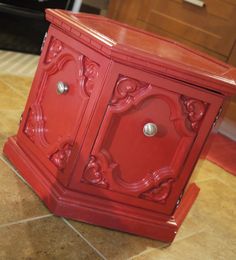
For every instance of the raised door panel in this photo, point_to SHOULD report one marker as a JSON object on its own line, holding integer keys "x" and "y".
{"x": 52, "y": 118}
{"x": 126, "y": 162}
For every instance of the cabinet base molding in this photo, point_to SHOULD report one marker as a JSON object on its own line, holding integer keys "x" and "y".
{"x": 96, "y": 210}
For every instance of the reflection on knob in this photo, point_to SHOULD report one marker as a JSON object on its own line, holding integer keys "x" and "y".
{"x": 150, "y": 129}
{"x": 62, "y": 88}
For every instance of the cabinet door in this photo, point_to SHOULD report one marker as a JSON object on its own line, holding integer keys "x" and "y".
{"x": 60, "y": 94}
{"x": 145, "y": 138}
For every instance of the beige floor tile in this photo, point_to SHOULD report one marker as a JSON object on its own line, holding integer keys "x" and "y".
{"x": 220, "y": 174}
{"x": 17, "y": 201}
{"x": 19, "y": 84}
{"x": 113, "y": 244}
{"x": 47, "y": 238}
{"x": 209, "y": 231}
{"x": 213, "y": 215}
{"x": 2, "y": 141}
{"x": 206, "y": 170}
{"x": 213, "y": 211}
{"x": 197, "y": 173}
{"x": 191, "y": 225}
{"x": 216, "y": 208}
{"x": 18, "y": 64}
{"x": 9, "y": 99}
{"x": 202, "y": 172}
{"x": 9, "y": 122}
{"x": 216, "y": 202}
{"x": 201, "y": 246}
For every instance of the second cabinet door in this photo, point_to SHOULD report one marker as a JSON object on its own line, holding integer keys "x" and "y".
{"x": 145, "y": 137}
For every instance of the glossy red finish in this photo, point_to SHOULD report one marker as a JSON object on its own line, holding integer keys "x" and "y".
{"x": 84, "y": 151}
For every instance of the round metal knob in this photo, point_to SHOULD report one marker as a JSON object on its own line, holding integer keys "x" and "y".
{"x": 62, "y": 88}
{"x": 150, "y": 129}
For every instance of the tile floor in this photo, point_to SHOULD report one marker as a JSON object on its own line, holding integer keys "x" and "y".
{"x": 29, "y": 231}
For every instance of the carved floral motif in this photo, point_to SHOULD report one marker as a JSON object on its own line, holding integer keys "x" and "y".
{"x": 61, "y": 156}
{"x": 54, "y": 49}
{"x": 195, "y": 110}
{"x": 91, "y": 74}
{"x": 93, "y": 173}
{"x": 158, "y": 193}
{"x": 126, "y": 89}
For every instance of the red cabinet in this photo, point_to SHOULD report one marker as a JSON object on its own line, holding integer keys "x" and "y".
{"x": 115, "y": 122}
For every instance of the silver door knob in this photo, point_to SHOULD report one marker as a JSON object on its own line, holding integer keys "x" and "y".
{"x": 150, "y": 129}
{"x": 62, "y": 88}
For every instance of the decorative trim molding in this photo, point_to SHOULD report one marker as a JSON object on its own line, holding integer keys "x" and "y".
{"x": 54, "y": 49}
{"x": 91, "y": 70}
{"x": 61, "y": 156}
{"x": 93, "y": 173}
{"x": 34, "y": 127}
{"x": 195, "y": 110}
{"x": 159, "y": 193}
{"x": 126, "y": 89}
{"x": 155, "y": 186}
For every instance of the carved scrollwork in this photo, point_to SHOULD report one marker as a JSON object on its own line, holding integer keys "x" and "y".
{"x": 54, "y": 49}
{"x": 126, "y": 89}
{"x": 151, "y": 180}
{"x": 30, "y": 127}
{"x": 155, "y": 186}
{"x": 34, "y": 127}
{"x": 195, "y": 110}
{"x": 159, "y": 193}
{"x": 61, "y": 156}
{"x": 91, "y": 70}
{"x": 93, "y": 173}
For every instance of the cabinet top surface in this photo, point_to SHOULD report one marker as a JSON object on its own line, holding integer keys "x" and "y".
{"x": 124, "y": 39}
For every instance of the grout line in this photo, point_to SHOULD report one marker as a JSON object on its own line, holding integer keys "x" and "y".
{"x": 14, "y": 170}
{"x": 143, "y": 253}
{"x": 149, "y": 250}
{"x": 225, "y": 183}
{"x": 216, "y": 178}
{"x": 189, "y": 235}
{"x": 205, "y": 180}
{"x": 25, "y": 220}
{"x": 163, "y": 247}
{"x": 79, "y": 234}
